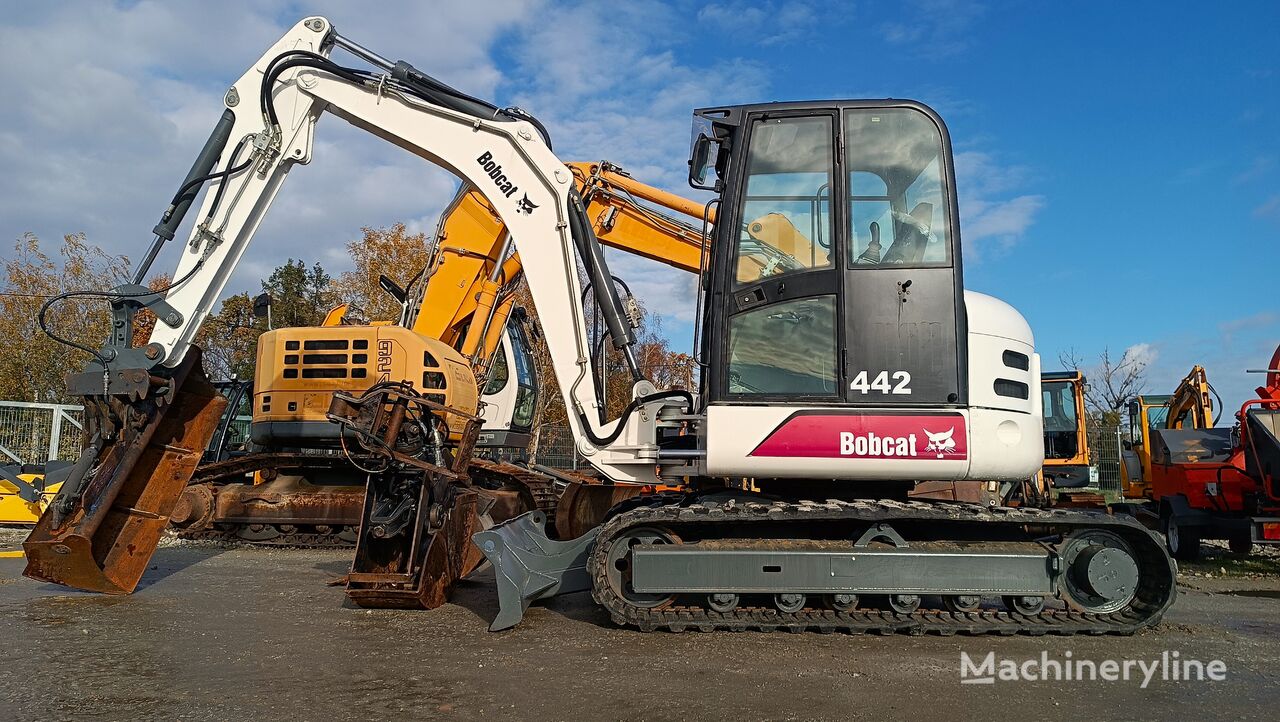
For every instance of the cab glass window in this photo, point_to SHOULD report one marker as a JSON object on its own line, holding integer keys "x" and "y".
{"x": 500, "y": 373}
{"x": 784, "y": 348}
{"x": 898, "y": 209}
{"x": 786, "y": 210}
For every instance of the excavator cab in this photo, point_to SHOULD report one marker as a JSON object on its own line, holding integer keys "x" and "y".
{"x": 836, "y": 327}
{"x": 1066, "y": 447}
{"x": 510, "y": 393}
{"x": 1146, "y": 413}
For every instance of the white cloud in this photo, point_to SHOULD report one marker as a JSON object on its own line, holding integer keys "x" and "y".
{"x": 934, "y": 28}
{"x": 106, "y": 105}
{"x": 988, "y": 214}
{"x": 1269, "y": 209}
{"x": 1140, "y": 353}
{"x": 770, "y": 23}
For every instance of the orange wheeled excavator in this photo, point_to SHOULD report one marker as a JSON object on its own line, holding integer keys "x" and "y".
{"x": 843, "y": 364}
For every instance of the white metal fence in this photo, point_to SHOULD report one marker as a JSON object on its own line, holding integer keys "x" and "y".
{"x": 37, "y": 433}
{"x": 33, "y": 433}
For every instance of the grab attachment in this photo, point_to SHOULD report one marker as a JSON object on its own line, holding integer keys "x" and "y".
{"x": 529, "y": 565}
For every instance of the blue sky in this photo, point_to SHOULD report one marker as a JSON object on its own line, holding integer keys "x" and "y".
{"x": 1118, "y": 173}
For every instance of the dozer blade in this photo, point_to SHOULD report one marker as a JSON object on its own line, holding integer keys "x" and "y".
{"x": 100, "y": 532}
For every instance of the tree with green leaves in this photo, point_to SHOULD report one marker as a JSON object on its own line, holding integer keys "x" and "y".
{"x": 300, "y": 296}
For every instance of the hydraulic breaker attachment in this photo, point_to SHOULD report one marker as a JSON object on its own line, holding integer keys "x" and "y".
{"x": 529, "y": 565}
{"x": 146, "y": 435}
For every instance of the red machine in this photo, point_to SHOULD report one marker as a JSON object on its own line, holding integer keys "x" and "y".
{"x": 1222, "y": 482}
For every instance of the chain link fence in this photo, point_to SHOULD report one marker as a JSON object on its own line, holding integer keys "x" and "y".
{"x": 1104, "y": 454}
{"x": 38, "y": 433}
{"x": 33, "y": 433}
{"x": 555, "y": 448}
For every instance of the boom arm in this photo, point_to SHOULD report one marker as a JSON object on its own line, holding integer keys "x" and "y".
{"x": 1191, "y": 407}
{"x": 470, "y": 270}
{"x": 507, "y": 159}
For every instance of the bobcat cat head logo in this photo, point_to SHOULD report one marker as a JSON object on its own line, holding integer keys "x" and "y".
{"x": 942, "y": 442}
{"x": 526, "y": 206}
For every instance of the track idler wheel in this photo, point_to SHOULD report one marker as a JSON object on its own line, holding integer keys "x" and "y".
{"x": 789, "y": 602}
{"x": 1102, "y": 575}
{"x": 619, "y": 561}
{"x": 724, "y": 602}
{"x": 904, "y": 603}
{"x": 842, "y": 602}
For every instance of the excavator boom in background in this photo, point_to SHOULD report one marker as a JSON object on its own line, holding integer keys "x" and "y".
{"x": 843, "y": 362}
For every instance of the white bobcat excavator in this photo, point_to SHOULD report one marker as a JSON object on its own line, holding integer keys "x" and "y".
{"x": 843, "y": 363}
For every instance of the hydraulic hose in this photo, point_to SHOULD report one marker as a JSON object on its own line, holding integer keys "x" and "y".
{"x": 626, "y": 414}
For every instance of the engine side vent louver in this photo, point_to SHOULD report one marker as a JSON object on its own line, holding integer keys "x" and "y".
{"x": 324, "y": 358}
{"x": 1012, "y": 389}
{"x": 325, "y": 345}
{"x": 1015, "y": 360}
{"x": 324, "y": 373}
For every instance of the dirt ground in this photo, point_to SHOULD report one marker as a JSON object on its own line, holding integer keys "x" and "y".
{"x": 217, "y": 633}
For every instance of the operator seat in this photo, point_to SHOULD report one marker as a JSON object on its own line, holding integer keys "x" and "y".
{"x": 910, "y": 240}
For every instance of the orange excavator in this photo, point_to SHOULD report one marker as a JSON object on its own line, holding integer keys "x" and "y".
{"x": 306, "y": 490}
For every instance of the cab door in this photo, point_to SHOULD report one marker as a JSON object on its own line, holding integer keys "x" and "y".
{"x": 902, "y": 310}
{"x": 782, "y": 333}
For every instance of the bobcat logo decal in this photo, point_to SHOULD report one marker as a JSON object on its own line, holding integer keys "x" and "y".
{"x": 941, "y": 443}
{"x": 526, "y": 206}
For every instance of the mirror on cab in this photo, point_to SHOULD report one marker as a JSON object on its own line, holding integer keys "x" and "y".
{"x": 704, "y": 152}
{"x": 392, "y": 288}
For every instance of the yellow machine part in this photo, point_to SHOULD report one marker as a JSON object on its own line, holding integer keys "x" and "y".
{"x": 15, "y": 510}
{"x": 1081, "y": 457}
{"x": 299, "y": 369}
{"x": 1190, "y": 406}
{"x": 460, "y": 309}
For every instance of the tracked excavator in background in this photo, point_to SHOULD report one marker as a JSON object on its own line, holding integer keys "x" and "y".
{"x": 843, "y": 363}
{"x": 308, "y": 490}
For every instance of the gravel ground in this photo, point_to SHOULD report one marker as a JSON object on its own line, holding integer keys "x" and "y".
{"x": 218, "y": 632}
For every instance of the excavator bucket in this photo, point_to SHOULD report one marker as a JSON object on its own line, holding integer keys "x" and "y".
{"x": 101, "y": 530}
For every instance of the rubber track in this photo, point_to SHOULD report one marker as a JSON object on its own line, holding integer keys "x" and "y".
{"x": 1155, "y": 593}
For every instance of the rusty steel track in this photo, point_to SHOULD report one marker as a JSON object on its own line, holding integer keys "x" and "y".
{"x": 536, "y": 488}
{"x": 1155, "y": 593}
